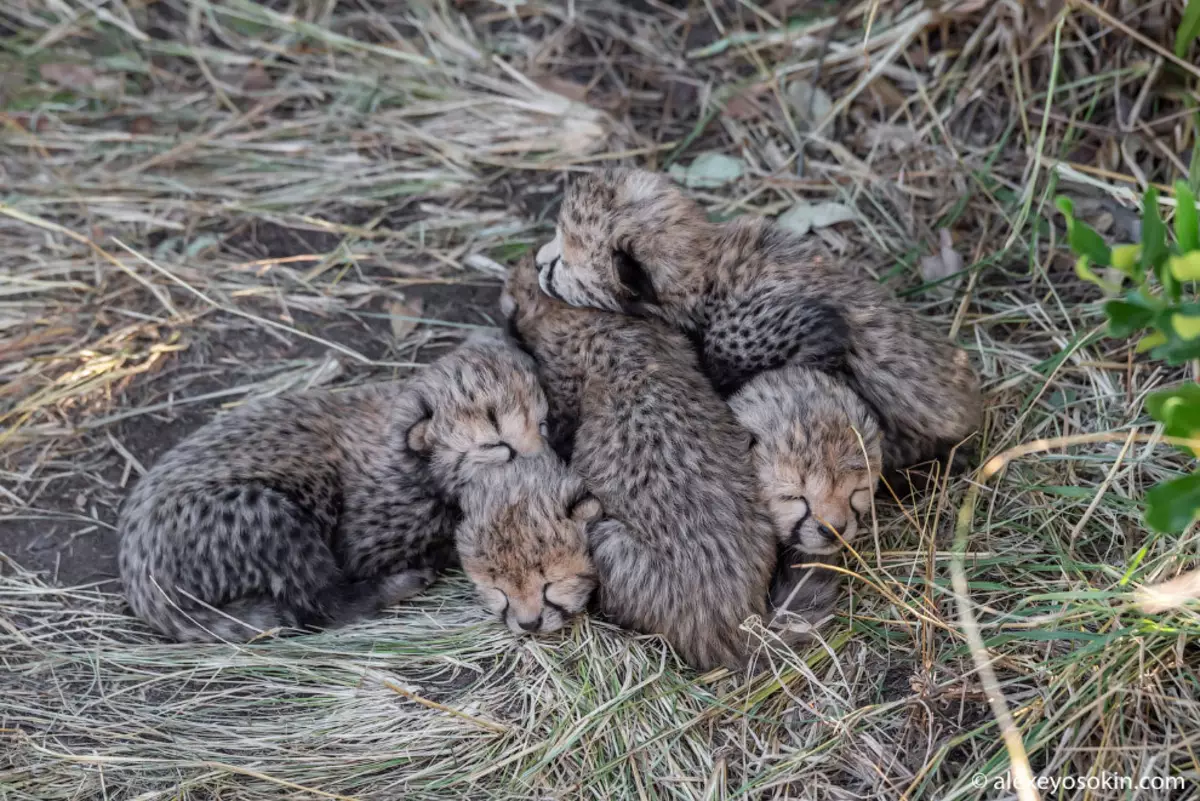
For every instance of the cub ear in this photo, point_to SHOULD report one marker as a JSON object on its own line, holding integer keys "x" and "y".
{"x": 585, "y": 509}
{"x": 417, "y": 437}
{"x": 635, "y": 279}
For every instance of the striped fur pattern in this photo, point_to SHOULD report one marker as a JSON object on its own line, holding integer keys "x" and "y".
{"x": 817, "y": 456}
{"x": 683, "y": 549}
{"x": 524, "y": 543}
{"x": 317, "y": 508}
{"x": 754, "y": 297}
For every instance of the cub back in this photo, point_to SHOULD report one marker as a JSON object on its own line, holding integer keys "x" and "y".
{"x": 686, "y": 551}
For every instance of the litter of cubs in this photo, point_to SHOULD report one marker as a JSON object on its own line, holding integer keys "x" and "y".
{"x": 681, "y": 424}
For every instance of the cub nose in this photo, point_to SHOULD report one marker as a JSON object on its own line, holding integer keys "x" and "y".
{"x": 531, "y": 625}
{"x": 828, "y": 532}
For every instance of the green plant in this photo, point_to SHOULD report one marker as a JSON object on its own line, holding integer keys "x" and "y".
{"x": 1147, "y": 281}
{"x": 1189, "y": 28}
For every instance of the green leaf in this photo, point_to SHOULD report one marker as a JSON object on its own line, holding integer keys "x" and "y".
{"x": 1194, "y": 167}
{"x": 1084, "y": 272}
{"x": 1172, "y": 507}
{"x": 1081, "y": 236}
{"x": 1125, "y": 318}
{"x": 1138, "y": 297}
{"x": 1177, "y": 352}
{"x": 1178, "y": 409}
{"x": 1171, "y": 287}
{"x": 1150, "y": 341}
{"x": 1189, "y": 28}
{"x": 1154, "y": 233}
{"x": 1125, "y": 258}
{"x": 1187, "y": 228}
{"x": 1185, "y": 267}
{"x": 1186, "y": 325}
{"x": 1174, "y": 321}
{"x": 1162, "y": 401}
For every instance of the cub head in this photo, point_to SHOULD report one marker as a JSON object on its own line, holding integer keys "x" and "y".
{"x": 817, "y": 453}
{"x": 523, "y": 542}
{"x": 622, "y": 240}
{"x": 481, "y": 406}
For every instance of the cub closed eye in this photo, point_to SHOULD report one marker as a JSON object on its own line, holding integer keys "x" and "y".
{"x": 509, "y": 449}
{"x": 550, "y": 604}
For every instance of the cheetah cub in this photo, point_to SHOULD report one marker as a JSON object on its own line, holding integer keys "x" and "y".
{"x": 523, "y": 542}
{"x": 817, "y": 456}
{"x": 684, "y": 550}
{"x": 318, "y": 508}
{"x": 754, "y": 297}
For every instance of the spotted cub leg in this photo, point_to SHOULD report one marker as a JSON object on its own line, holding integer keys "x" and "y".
{"x": 801, "y": 598}
{"x": 226, "y": 562}
{"x": 346, "y": 602}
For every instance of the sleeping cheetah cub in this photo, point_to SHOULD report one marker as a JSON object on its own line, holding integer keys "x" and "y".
{"x": 318, "y": 508}
{"x": 523, "y": 542}
{"x": 817, "y": 454}
{"x": 755, "y": 297}
{"x": 685, "y": 553}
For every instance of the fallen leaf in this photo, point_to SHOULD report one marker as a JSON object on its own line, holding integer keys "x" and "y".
{"x": 810, "y": 104}
{"x": 561, "y": 86}
{"x": 141, "y": 125}
{"x": 803, "y": 217}
{"x": 200, "y": 244}
{"x": 886, "y": 92}
{"x": 893, "y": 137}
{"x": 78, "y": 77}
{"x": 257, "y": 79}
{"x": 67, "y": 74}
{"x": 405, "y": 317}
{"x": 708, "y": 170}
{"x": 745, "y": 105}
{"x": 943, "y": 264}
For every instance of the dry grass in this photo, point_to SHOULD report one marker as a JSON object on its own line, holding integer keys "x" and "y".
{"x": 206, "y": 202}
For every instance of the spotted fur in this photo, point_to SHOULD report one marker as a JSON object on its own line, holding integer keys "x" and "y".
{"x": 817, "y": 456}
{"x": 523, "y": 542}
{"x": 755, "y": 297}
{"x": 684, "y": 550}
{"x": 317, "y": 508}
